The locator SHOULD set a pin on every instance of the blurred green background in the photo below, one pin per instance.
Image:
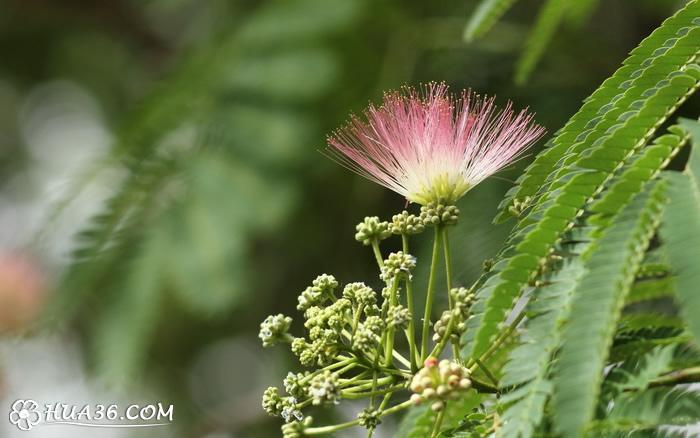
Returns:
(162, 190)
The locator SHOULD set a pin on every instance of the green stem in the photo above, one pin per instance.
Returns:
(389, 347)
(377, 254)
(384, 402)
(356, 322)
(353, 380)
(357, 395)
(448, 334)
(497, 344)
(487, 372)
(373, 384)
(329, 368)
(430, 296)
(450, 300)
(438, 422)
(411, 333)
(329, 429)
(336, 427)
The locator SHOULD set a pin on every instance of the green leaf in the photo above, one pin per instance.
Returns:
(649, 411)
(529, 363)
(581, 177)
(122, 335)
(681, 231)
(485, 16)
(670, 48)
(611, 264)
(549, 18)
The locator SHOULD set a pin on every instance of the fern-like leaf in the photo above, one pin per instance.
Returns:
(681, 231)
(670, 48)
(528, 365)
(611, 264)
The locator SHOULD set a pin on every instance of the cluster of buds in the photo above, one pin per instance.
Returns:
(369, 334)
(519, 206)
(276, 405)
(406, 223)
(462, 300)
(296, 384)
(396, 265)
(439, 214)
(372, 230)
(369, 418)
(398, 317)
(439, 382)
(321, 289)
(274, 329)
(360, 295)
(324, 388)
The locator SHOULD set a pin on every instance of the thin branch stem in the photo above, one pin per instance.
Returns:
(499, 341)
(411, 333)
(450, 300)
(438, 422)
(430, 295)
(377, 253)
(389, 347)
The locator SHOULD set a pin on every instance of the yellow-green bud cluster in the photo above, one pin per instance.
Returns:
(368, 334)
(324, 388)
(296, 385)
(439, 214)
(371, 229)
(439, 382)
(397, 264)
(462, 299)
(398, 317)
(272, 401)
(369, 418)
(320, 290)
(320, 351)
(278, 406)
(406, 223)
(360, 294)
(274, 329)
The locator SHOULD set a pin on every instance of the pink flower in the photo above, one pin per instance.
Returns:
(431, 146)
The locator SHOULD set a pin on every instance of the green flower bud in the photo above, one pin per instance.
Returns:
(369, 418)
(371, 229)
(289, 410)
(325, 283)
(438, 382)
(274, 329)
(397, 264)
(398, 317)
(406, 223)
(368, 333)
(272, 402)
(360, 294)
(321, 289)
(439, 214)
(324, 388)
(294, 385)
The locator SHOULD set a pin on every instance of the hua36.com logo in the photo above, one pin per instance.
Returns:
(26, 414)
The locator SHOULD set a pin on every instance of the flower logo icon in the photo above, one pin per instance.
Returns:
(24, 414)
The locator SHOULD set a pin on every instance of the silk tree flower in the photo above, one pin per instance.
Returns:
(431, 146)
